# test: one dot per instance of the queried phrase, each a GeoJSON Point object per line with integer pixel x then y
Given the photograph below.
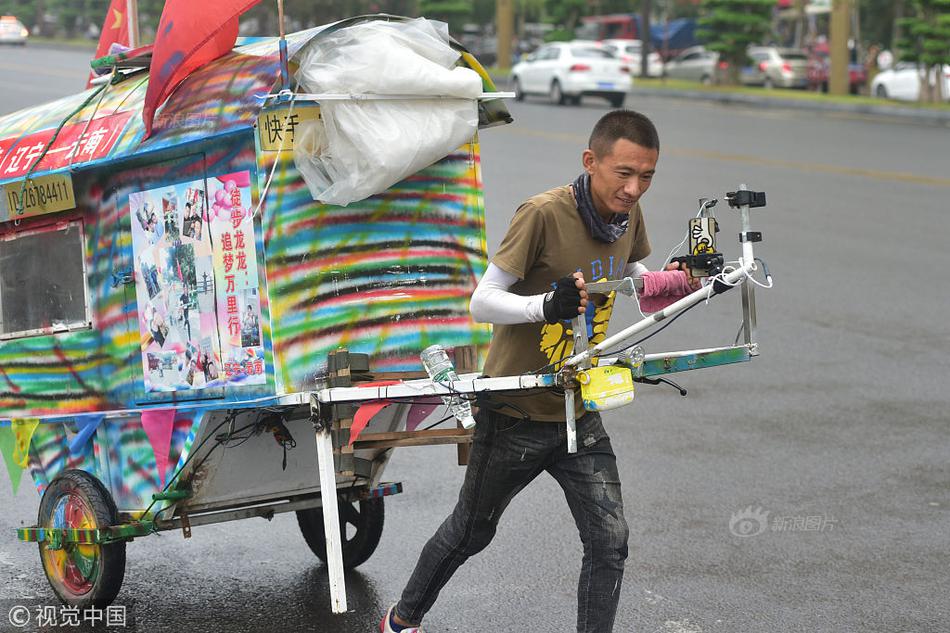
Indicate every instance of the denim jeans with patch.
{"type": "Point", "coordinates": [507, 454]}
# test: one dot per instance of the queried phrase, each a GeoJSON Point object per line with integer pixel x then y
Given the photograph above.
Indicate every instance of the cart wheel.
{"type": "Point", "coordinates": [81, 575]}
{"type": "Point", "coordinates": [361, 525]}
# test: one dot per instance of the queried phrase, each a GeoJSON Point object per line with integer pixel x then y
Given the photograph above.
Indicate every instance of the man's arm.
{"type": "Point", "coordinates": [492, 303]}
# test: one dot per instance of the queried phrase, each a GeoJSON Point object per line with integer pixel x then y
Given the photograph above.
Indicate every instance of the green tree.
{"type": "Point", "coordinates": [454, 12]}
{"type": "Point", "coordinates": [729, 27]}
{"type": "Point", "coordinates": [926, 41]}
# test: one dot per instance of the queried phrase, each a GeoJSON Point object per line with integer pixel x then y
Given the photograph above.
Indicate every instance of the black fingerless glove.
{"type": "Point", "coordinates": [563, 302]}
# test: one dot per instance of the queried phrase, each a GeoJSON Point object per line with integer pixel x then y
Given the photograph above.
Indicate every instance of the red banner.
{"type": "Point", "coordinates": [75, 144]}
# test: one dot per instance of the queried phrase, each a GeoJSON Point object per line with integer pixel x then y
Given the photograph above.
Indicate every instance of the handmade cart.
{"type": "Point", "coordinates": [189, 338]}
{"type": "Point", "coordinates": [169, 306]}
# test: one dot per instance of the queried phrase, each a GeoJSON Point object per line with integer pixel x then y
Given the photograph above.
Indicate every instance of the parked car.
{"type": "Point", "coordinates": [12, 31]}
{"type": "Point", "coordinates": [631, 53]}
{"type": "Point", "coordinates": [819, 69]}
{"type": "Point", "coordinates": [902, 82]}
{"type": "Point", "coordinates": [568, 71]}
{"type": "Point", "coordinates": [774, 67]}
{"type": "Point", "coordinates": [694, 64]}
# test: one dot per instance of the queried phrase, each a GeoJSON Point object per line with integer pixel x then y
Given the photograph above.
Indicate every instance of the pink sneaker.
{"type": "Point", "coordinates": [384, 626]}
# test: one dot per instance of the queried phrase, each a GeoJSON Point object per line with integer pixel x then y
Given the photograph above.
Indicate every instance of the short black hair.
{"type": "Point", "coordinates": [623, 124]}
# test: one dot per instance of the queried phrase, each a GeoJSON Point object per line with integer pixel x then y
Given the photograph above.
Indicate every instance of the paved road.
{"type": "Point", "coordinates": [838, 430]}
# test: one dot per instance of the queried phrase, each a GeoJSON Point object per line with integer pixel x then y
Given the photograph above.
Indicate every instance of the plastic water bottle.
{"type": "Point", "coordinates": [440, 369]}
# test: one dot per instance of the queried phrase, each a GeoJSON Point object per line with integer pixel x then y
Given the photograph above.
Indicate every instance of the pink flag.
{"type": "Point", "coordinates": [158, 424]}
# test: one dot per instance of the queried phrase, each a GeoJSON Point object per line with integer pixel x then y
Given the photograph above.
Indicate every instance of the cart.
{"type": "Point", "coordinates": [170, 306]}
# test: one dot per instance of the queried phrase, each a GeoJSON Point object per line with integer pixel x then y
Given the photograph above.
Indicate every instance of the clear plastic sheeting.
{"type": "Point", "coordinates": [362, 147]}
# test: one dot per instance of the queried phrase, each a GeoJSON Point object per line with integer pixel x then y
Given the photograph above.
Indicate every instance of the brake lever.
{"type": "Point", "coordinates": [657, 381]}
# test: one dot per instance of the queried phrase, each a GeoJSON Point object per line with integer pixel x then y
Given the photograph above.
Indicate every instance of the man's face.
{"type": "Point", "coordinates": [620, 176]}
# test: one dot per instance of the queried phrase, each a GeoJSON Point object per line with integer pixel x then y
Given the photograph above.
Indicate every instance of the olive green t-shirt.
{"type": "Point", "coordinates": [547, 240]}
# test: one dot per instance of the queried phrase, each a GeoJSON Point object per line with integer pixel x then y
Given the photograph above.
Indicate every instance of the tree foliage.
{"type": "Point", "coordinates": [729, 27]}
{"type": "Point", "coordinates": [926, 41]}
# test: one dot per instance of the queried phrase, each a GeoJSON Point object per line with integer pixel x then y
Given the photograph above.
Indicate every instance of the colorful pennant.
{"type": "Point", "coordinates": [7, 446]}
{"type": "Point", "coordinates": [158, 424]}
{"type": "Point", "coordinates": [23, 429]}
{"type": "Point", "coordinates": [87, 428]}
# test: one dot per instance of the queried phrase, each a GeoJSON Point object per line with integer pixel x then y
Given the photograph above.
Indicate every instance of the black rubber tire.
{"type": "Point", "coordinates": [519, 93]}
{"type": "Point", "coordinates": [110, 566]}
{"type": "Point", "coordinates": [880, 92]}
{"type": "Point", "coordinates": [616, 101]}
{"type": "Point", "coordinates": [365, 518]}
{"type": "Point", "coordinates": [557, 95]}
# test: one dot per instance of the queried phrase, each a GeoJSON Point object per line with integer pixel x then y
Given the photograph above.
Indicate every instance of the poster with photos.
{"type": "Point", "coordinates": [174, 283]}
{"type": "Point", "coordinates": [235, 265]}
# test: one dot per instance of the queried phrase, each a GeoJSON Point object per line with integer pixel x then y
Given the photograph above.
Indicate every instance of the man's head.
{"type": "Point", "coordinates": [621, 160]}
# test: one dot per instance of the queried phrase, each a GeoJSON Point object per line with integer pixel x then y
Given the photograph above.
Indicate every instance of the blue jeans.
{"type": "Point", "coordinates": [507, 454]}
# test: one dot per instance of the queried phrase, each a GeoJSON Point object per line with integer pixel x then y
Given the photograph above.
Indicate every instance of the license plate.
{"type": "Point", "coordinates": [605, 84]}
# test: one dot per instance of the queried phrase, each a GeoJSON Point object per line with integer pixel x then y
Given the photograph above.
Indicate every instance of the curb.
{"type": "Point", "coordinates": [897, 113]}
{"type": "Point", "coordinates": [61, 46]}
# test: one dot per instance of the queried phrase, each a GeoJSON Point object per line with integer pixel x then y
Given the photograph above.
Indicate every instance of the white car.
{"type": "Point", "coordinates": [12, 31]}
{"type": "Point", "coordinates": [902, 82]}
{"type": "Point", "coordinates": [568, 71]}
{"type": "Point", "coordinates": [631, 53]}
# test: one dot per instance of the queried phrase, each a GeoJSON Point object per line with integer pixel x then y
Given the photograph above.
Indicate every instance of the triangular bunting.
{"type": "Point", "coordinates": [7, 445]}
{"type": "Point", "coordinates": [158, 424]}
{"type": "Point", "coordinates": [419, 411]}
{"type": "Point", "coordinates": [23, 433]}
{"type": "Point", "coordinates": [87, 428]}
{"type": "Point", "coordinates": [366, 412]}
{"type": "Point", "coordinates": [363, 415]}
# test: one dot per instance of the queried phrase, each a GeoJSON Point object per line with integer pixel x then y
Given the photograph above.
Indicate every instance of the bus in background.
{"type": "Point", "coordinates": [666, 38]}
{"type": "Point", "coordinates": [617, 26]}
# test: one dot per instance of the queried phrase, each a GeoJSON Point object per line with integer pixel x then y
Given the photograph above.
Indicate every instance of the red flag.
{"type": "Point", "coordinates": [115, 30]}
{"type": "Point", "coordinates": [190, 34]}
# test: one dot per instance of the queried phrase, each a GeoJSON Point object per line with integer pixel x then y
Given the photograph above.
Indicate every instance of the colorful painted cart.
{"type": "Point", "coordinates": [170, 305]}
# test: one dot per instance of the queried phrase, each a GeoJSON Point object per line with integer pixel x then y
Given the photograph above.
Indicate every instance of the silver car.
{"type": "Point", "coordinates": [694, 64]}
{"type": "Point", "coordinates": [774, 67]}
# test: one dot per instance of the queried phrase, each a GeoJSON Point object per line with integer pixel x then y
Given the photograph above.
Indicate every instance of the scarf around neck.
{"type": "Point", "coordinates": [606, 232]}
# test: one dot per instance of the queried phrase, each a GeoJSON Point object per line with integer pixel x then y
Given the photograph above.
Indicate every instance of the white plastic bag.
{"type": "Point", "coordinates": [367, 146]}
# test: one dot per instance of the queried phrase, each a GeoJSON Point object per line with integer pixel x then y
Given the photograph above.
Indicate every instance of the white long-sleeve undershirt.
{"type": "Point", "coordinates": [493, 303]}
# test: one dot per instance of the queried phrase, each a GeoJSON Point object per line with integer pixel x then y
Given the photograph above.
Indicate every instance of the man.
{"type": "Point", "coordinates": [592, 229]}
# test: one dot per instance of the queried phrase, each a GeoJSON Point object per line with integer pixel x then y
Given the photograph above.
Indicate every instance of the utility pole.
{"type": "Point", "coordinates": [504, 30]}
{"type": "Point", "coordinates": [840, 32]}
{"type": "Point", "coordinates": [646, 38]}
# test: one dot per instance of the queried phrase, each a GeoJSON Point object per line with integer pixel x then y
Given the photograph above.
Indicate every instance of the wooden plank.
{"type": "Point", "coordinates": [413, 438]}
{"type": "Point", "coordinates": [413, 441]}
{"type": "Point", "coordinates": [431, 433]}
{"type": "Point", "coordinates": [466, 361]}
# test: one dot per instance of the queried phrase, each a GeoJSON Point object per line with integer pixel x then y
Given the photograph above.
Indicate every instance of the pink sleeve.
{"type": "Point", "coordinates": [662, 288]}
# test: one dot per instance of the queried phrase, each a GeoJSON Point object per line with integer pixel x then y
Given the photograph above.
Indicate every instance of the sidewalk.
{"type": "Point", "coordinates": [774, 99]}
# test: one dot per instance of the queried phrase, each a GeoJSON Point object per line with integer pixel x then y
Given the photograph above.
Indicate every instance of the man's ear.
{"type": "Point", "coordinates": [588, 159]}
